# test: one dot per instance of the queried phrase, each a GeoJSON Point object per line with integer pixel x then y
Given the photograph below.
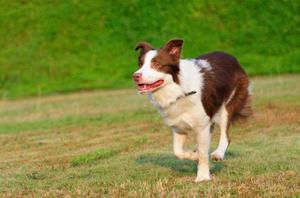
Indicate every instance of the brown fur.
{"type": "Point", "coordinates": [164, 63]}
{"type": "Point", "coordinates": [145, 47]}
{"type": "Point", "coordinates": [225, 76]}
{"type": "Point", "coordinates": [167, 59]}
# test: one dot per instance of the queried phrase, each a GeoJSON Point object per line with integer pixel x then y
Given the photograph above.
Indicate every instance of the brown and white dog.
{"type": "Point", "coordinates": [192, 95]}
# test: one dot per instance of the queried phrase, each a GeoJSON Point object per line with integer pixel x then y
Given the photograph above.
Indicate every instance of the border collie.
{"type": "Point", "coordinates": [192, 95]}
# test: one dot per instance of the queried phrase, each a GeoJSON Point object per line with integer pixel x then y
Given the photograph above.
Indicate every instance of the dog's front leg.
{"type": "Point", "coordinates": [203, 139]}
{"type": "Point", "coordinates": [178, 146]}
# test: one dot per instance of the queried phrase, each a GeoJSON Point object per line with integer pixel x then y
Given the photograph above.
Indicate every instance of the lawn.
{"type": "Point", "coordinates": [113, 143]}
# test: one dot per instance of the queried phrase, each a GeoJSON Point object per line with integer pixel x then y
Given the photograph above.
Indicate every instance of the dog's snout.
{"type": "Point", "coordinates": [137, 77]}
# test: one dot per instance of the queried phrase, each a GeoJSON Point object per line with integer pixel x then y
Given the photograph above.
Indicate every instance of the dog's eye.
{"type": "Point", "coordinates": [156, 65]}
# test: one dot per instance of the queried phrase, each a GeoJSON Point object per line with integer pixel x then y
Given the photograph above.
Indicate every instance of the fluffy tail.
{"type": "Point", "coordinates": [240, 105]}
{"type": "Point", "coordinates": [246, 109]}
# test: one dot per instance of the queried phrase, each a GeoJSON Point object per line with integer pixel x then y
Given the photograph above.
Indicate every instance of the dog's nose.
{"type": "Point", "coordinates": [137, 77]}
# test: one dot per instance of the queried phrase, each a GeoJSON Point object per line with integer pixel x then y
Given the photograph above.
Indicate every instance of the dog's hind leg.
{"type": "Point", "coordinates": [178, 147]}
{"type": "Point", "coordinates": [238, 105]}
{"type": "Point", "coordinates": [224, 141]}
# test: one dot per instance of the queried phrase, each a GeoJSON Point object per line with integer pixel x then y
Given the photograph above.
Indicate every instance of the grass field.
{"type": "Point", "coordinates": [113, 143]}
{"type": "Point", "coordinates": [61, 46]}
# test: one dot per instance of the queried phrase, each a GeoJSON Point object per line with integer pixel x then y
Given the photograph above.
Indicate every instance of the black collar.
{"type": "Point", "coordinates": [190, 93]}
{"type": "Point", "coordinates": [180, 97]}
{"type": "Point", "coordinates": [185, 95]}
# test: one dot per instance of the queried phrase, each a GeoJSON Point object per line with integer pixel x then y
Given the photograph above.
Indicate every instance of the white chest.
{"type": "Point", "coordinates": [180, 111]}
{"type": "Point", "coordinates": [184, 114]}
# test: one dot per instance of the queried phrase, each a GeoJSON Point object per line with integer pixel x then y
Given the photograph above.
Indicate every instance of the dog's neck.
{"type": "Point", "coordinates": [168, 95]}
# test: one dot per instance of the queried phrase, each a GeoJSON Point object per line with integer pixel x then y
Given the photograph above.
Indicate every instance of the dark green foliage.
{"type": "Point", "coordinates": [59, 46]}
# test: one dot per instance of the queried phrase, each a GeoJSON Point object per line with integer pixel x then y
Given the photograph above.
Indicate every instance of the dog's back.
{"type": "Point", "coordinates": [225, 82]}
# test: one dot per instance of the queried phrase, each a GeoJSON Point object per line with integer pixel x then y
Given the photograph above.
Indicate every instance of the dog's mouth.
{"type": "Point", "coordinates": [149, 87]}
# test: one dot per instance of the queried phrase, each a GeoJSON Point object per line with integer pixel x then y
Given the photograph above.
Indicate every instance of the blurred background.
{"type": "Point", "coordinates": [49, 47]}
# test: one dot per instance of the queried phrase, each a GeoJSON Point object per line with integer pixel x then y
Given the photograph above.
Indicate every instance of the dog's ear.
{"type": "Point", "coordinates": [173, 48]}
{"type": "Point", "coordinates": [145, 47]}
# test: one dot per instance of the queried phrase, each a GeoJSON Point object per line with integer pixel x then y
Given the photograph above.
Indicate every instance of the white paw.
{"type": "Point", "coordinates": [192, 155]}
{"type": "Point", "coordinates": [202, 178]}
{"type": "Point", "coordinates": [217, 156]}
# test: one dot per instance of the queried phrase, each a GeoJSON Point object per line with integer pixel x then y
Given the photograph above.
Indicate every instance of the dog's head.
{"type": "Point", "coordinates": [157, 67]}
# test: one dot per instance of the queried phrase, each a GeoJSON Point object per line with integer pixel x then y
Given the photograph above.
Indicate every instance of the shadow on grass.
{"type": "Point", "coordinates": [170, 161]}
{"type": "Point", "coordinates": [231, 155]}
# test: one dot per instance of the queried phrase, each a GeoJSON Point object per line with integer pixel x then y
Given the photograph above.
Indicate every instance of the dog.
{"type": "Point", "coordinates": [193, 95]}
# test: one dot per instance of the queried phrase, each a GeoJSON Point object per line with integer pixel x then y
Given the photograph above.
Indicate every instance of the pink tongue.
{"type": "Point", "coordinates": [153, 85]}
{"type": "Point", "coordinates": [157, 83]}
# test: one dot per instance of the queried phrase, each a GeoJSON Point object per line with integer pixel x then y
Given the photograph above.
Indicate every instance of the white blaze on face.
{"type": "Point", "coordinates": [149, 75]}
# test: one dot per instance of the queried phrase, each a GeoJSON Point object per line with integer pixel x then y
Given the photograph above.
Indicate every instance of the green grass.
{"type": "Point", "coordinates": [93, 156]}
{"type": "Point", "coordinates": [61, 46]}
{"type": "Point", "coordinates": [103, 153]}
{"type": "Point", "coordinates": [114, 144]}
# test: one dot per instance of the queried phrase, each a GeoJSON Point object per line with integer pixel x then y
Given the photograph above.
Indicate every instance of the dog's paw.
{"type": "Point", "coordinates": [216, 156]}
{"type": "Point", "coordinates": [192, 155]}
{"type": "Point", "coordinates": [202, 179]}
